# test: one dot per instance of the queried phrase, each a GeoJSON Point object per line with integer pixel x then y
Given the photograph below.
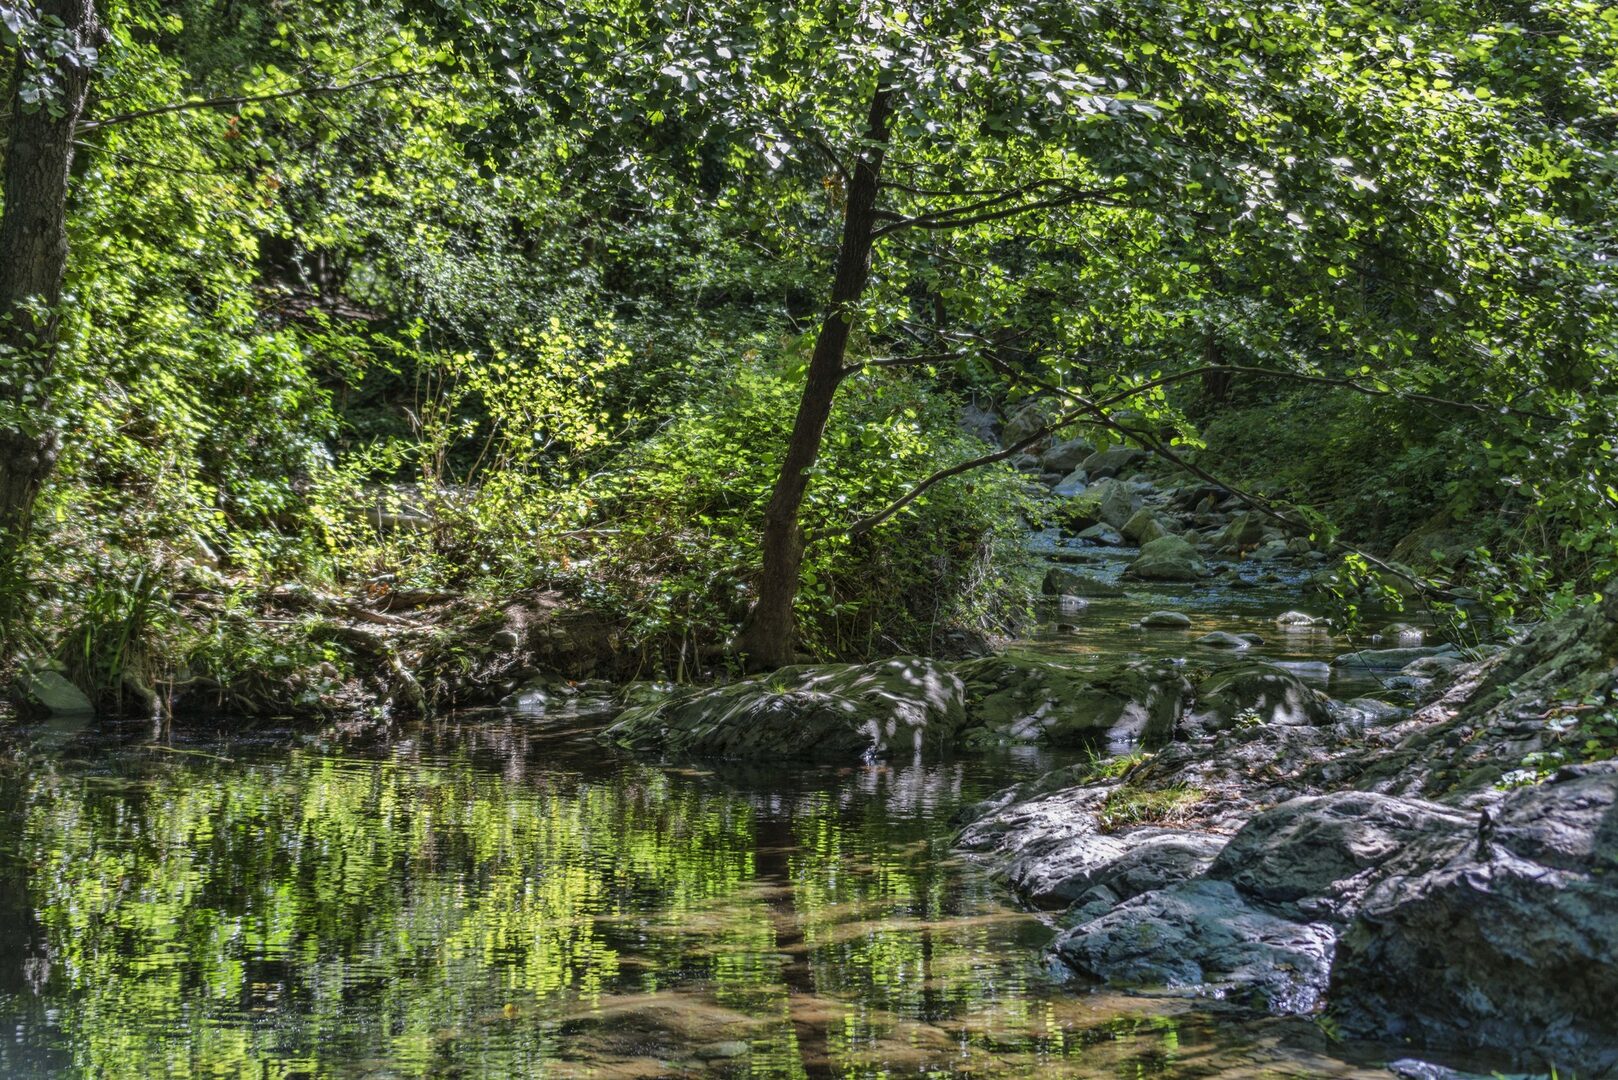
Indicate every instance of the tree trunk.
{"type": "Point", "coordinates": [33, 258]}
{"type": "Point", "coordinates": [768, 638]}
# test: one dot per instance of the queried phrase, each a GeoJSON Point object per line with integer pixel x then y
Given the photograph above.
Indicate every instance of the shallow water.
{"type": "Point", "coordinates": [498, 896]}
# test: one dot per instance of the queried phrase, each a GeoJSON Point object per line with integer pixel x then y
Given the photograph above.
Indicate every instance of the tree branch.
{"type": "Point", "coordinates": [232, 102]}
{"type": "Point", "coordinates": [954, 219]}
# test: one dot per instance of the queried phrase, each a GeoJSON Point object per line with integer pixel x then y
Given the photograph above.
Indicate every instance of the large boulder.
{"type": "Point", "coordinates": [1025, 422]}
{"type": "Point", "coordinates": [899, 706]}
{"type": "Point", "coordinates": [1067, 455]}
{"type": "Point", "coordinates": [1062, 581]}
{"type": "Point", "coordinates": [47, 690]}
{"type": "Point", "coordinates": [1246, 530]}
{"type": "Point", "coordinates": [1115, 502]}
{"type": "Point", "coordinates": [1255, 693]}
{"type": "Point", "coordinates": [1022, 699]}
{"type": "Point", "coordinates": [1073, 484]}
{"type": "Point", "coordinates": [1143, 527]}
{"type": "Point", "coordinates": [1051, 847]}
{"type": "Point", "coordinates": [1502, 939]}
{"type": "Point", "coordinates": [1204, 937]}
{"type": "Point", "coordinates": [1102, 534]}
{"type": "Point", "coordinates": [1114, 460]}
{"type": "Point", "coordinates": [1313, 858]}
{"type": "Point", "coordinates": [1168, 558]}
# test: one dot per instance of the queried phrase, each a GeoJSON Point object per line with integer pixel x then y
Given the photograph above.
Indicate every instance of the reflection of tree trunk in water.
{"type": "Point", "coordinates": [773, 844]}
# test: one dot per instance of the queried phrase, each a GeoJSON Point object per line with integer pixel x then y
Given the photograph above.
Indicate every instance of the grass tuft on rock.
{"type": "Point", "coordinates": [1127, 806]}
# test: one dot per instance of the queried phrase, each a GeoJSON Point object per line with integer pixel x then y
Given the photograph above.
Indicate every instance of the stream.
{"type": "Point", "coordinates": [498, 895]}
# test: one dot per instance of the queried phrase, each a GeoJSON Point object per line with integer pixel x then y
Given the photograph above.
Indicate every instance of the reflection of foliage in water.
{"type": "Point", "coordinates": [349, 898]}
{"type": "Point", "coordinates": [325, 916]}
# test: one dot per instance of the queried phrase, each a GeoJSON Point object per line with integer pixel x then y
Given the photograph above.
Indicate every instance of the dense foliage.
{"type": "Point", "coordinates": [502, 297]}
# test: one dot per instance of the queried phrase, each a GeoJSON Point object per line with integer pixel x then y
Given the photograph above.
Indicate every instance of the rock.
{"type": "Point", "coordinates": [1168, 558]}
{"type": "Point", "coordinates": [1366, 712]}
{"type": "Point", "coordinates": [1014, 699]}
{"type": "Point", "coordinates": [1431, 667]}
{"type": "Point", "coordinates": [50, 690]}
{"type": "Point", "coordinates": [1114, 460]}
{"type": "Point", "coordinates": [1270, 549]}
{"type": "Point", "coordinates": [1150, 859]}
{"type": "Point", "coordinates": [1500, 940]}
{"type": "Point", "coordinates": [1297, 620]}
{"type": "Point", "coordinates": [1166, 620]}
{"type": "Point", "coordinates": [1061, 581]}
{"type": "Point", "coordinates": [899, 706]}
{"type": "Point", "coordinates": [1389, 659]}
{"type": "Point", "coordinates": [1071, 605]}
{"type": "Point", "coordinates": [1246, 530]}
{"type": "Point", "coordinates": [1314, 858]}
{"type": "Point", "coordinates": [1403, 633]}
{"type": "Point", "coordinates": [1115, 503]}
{"type": "Point", "coordinates": [1067, 455]}
{"type": "Point", "coordinates": [980, 422]}
{"type": "Point", "coordinates": [1143, 527]}
{"type": "Point", "coordinates": [1024, 423]}
{"type": "Point", "coordinates": [733, 1048]}
{"type": "Point", "coordinates": [1259, 693]}
{"type": "Point", "coordinates": [1221, 639]}
{"type": "Point", "coordinates": [1103, 534]}
{"type": "Point", "coordinates": [1049, 846]}
{"type": "Point", "coordinates": [1074, 483]}
{"type": "Point", "coordinates": [1201, 936]}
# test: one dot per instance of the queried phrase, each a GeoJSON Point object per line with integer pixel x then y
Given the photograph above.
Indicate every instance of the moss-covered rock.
{"type": "Point", "coordinates": [901, 706]}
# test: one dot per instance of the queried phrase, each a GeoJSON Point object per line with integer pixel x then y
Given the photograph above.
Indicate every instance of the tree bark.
{"type": "Point", "coordinates": [769, 637]}
{"type": "Point", "coordinates": [33, 259]}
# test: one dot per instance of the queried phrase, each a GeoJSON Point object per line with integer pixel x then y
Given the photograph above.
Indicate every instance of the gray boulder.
{"type": "Point", "coordinates": [1067, 455]}
{"type": "Point", "coordinates": [1014, 699]}
{"type": "Point", "coordinates": [1168, 558]}
{"type": "Point", "coordinates": [1103, 534]}
{"type": "Point", "coordinates": [1246, 530]}
{"type": "Point", "coordinates": [1203, 937]}
{"type": "Point", "coordinates": [1062, 581]}
{"type": "Point", "coordinates": [1024, 423]}
{"type": "Point", "coordinates": [899, 706]}
{"type": "Point", "coordinates": [49, 690]}
{"type": "Point", "coordinates": [1314, 858]}
{"type": "Point", "coordinates": [1114, 461]}
{"type": "Point", "coordinates": [1074, 483]}
{"type": "Point", "coordinates": [1502, 939]}
{"type": "Point", "coordinates": [1115, 503]}
{"type": "Point", "coordinates": [1166, 620]}
{"type": "Point", "coordinates": [1390, 659]}
{"type": "Point", "coordinates": [1143, 527]}
{"type": "Point", "coordinates": [1263, 693]}
{"type": "Point", "coordinates": [1223, 639]}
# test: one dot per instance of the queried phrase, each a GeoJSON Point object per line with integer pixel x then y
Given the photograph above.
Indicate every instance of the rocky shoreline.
{"type": "Point", "coordinates": [1406, 876]}
{"type": "Point", "coordinates": [1443, 877]}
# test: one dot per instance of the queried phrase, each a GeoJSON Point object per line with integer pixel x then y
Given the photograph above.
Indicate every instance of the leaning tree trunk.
{"type": "Point", "coordinates": [767, 640]}
{"type": "Point", "coordinates": [33, 257]}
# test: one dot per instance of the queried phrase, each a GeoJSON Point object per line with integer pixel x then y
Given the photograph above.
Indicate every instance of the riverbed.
{"type": "Point", "coordinates": [496, 894]}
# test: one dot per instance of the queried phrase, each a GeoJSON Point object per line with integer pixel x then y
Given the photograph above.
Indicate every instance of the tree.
{"type": "Point", "coordinates": [56, 48]}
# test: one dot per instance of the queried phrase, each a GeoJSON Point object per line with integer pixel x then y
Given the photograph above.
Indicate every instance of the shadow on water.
{"type": "Point", "coordinates": [499, 896]}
